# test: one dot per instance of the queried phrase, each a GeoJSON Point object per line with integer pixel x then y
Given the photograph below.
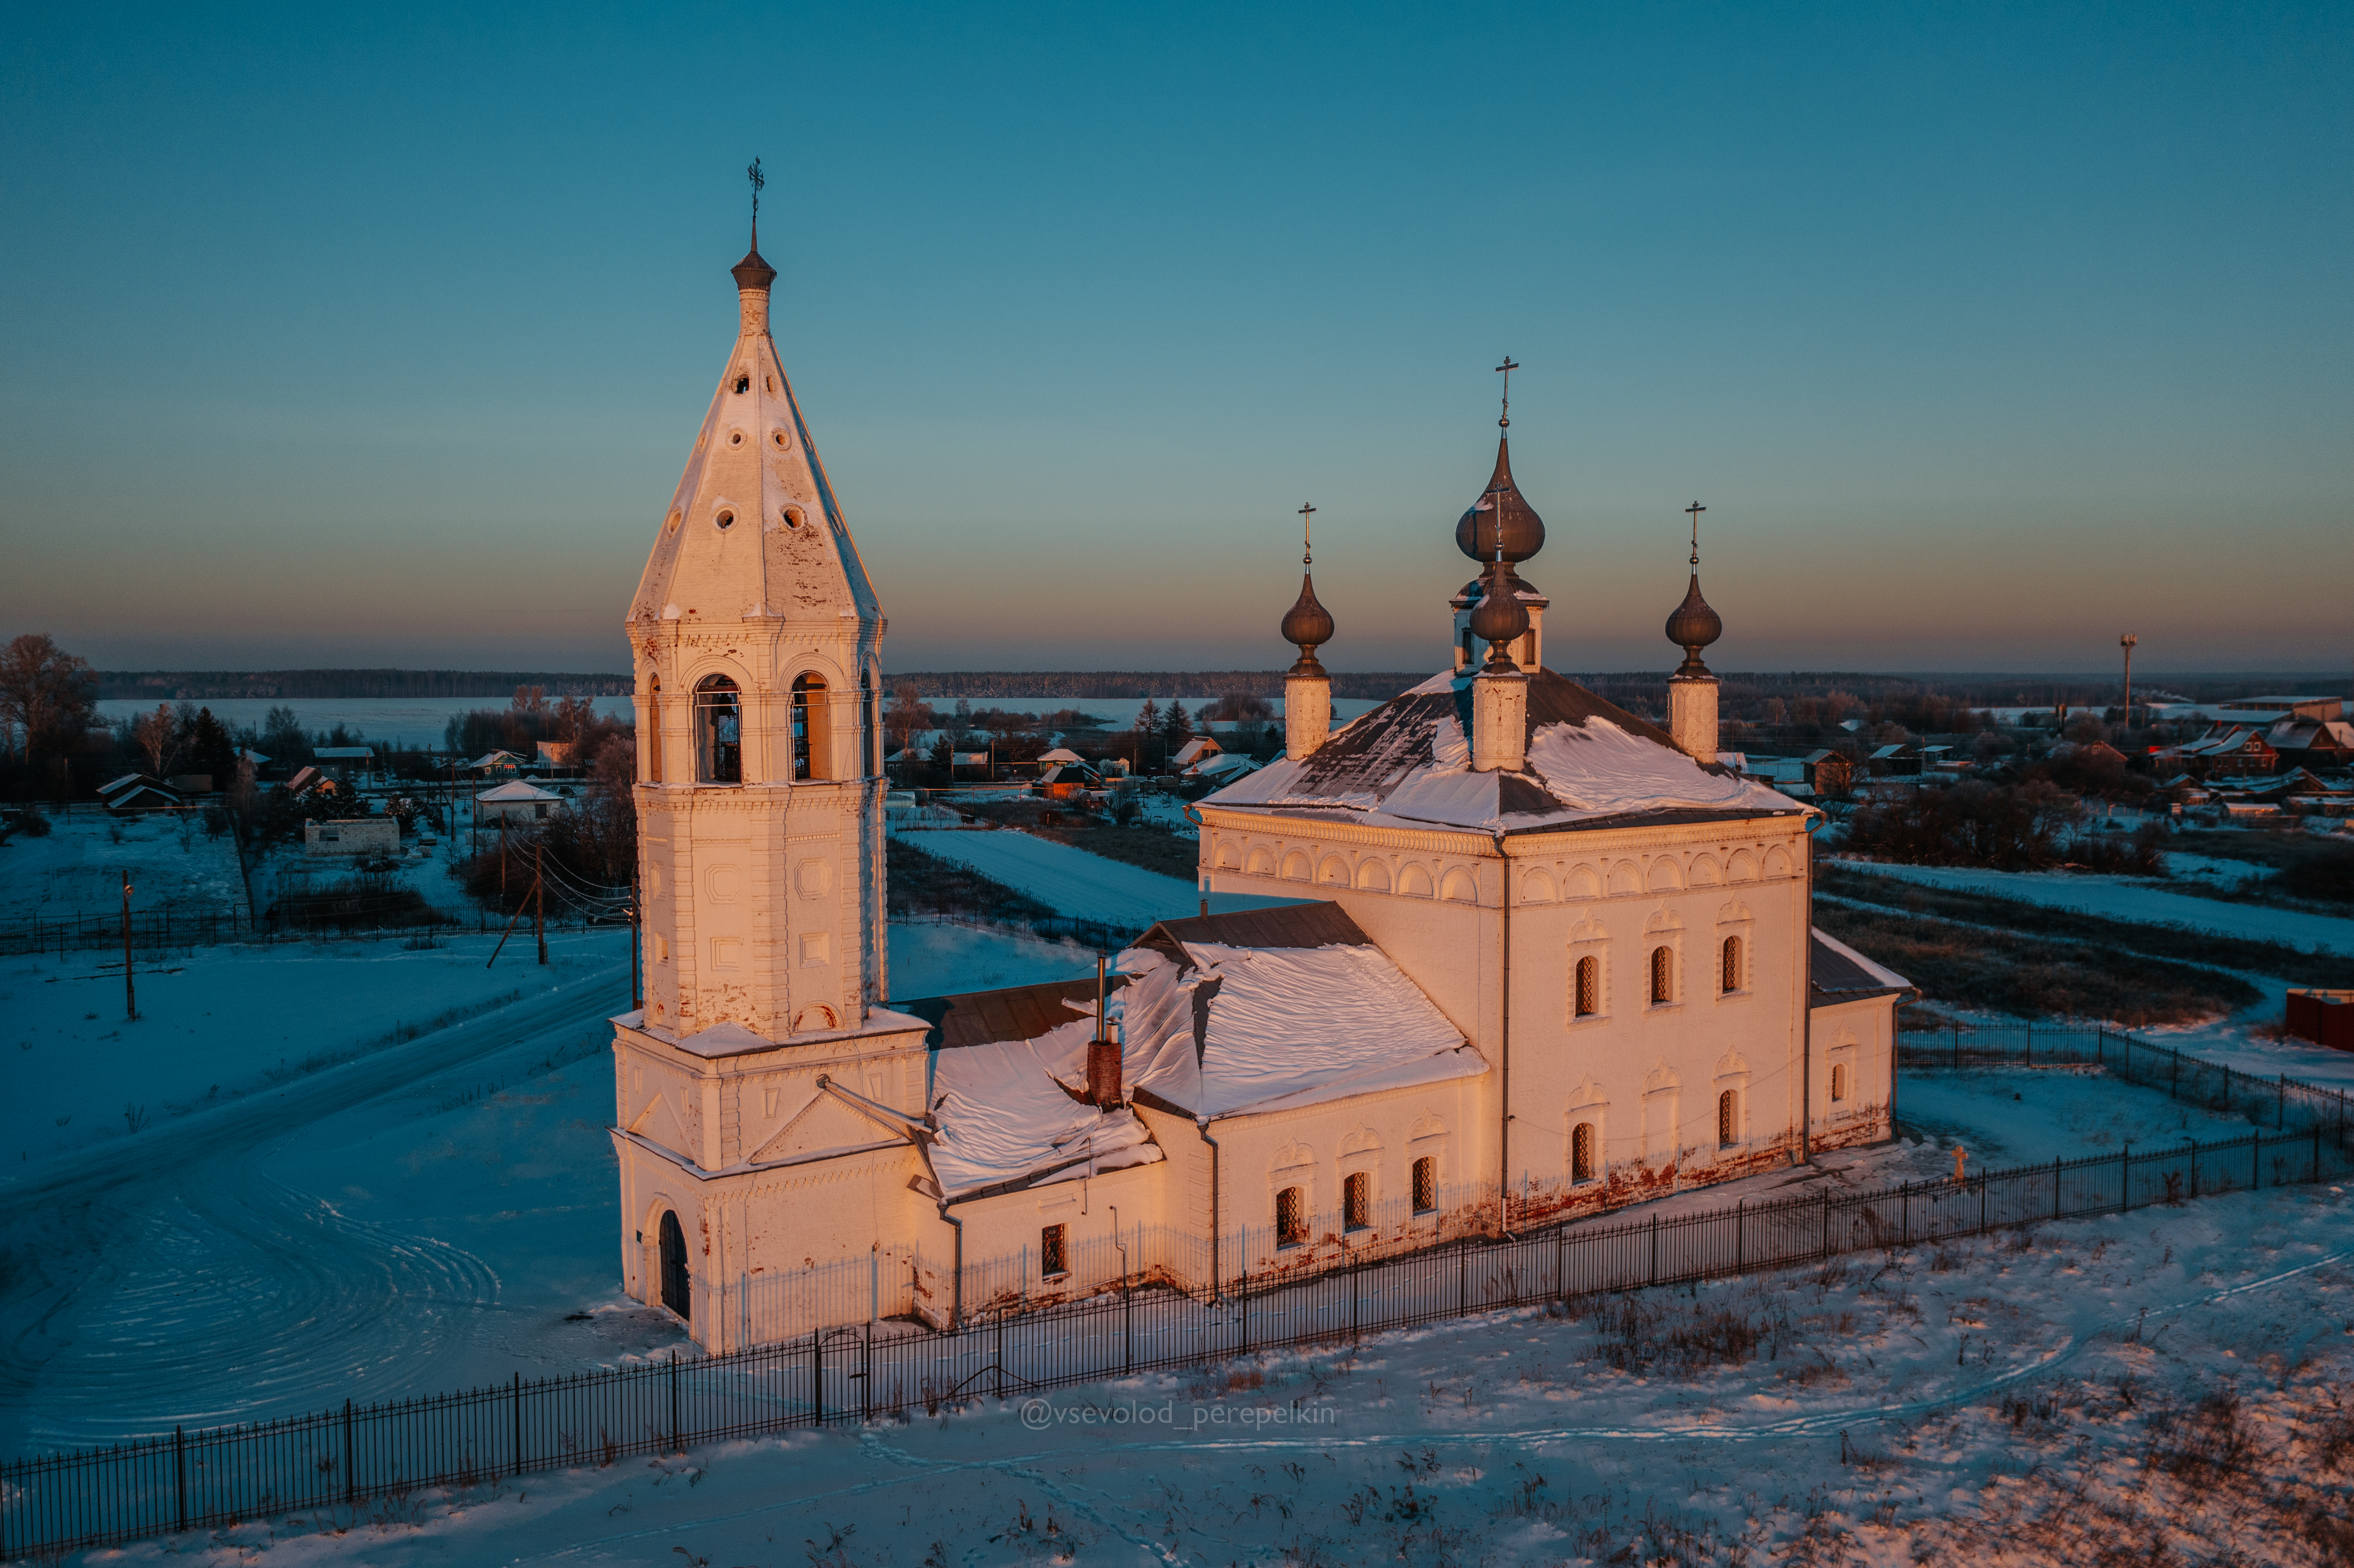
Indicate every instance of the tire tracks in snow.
{"type": "Point", "coordinates": [136, 1276]}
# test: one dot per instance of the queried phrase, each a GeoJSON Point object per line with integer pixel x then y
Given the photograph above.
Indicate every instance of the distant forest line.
{"type": "Point", "coordinates": [1984, 689]}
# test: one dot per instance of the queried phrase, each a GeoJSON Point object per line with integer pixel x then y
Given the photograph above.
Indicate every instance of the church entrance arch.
{"type": "Point", "coordinates": [676, 1292]}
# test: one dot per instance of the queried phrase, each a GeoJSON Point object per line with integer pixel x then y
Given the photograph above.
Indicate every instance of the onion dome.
{"type": "Point", "coordinates": [1501, 618]}
{"type": "Point", "coordinates": [1307, 623]}
{"type": "Point", "coordinates": [1694, 627]}
{"type": "Point", "coordinates": [1500, 507]}
{"type": "Point", "coordinates": [753, 273]}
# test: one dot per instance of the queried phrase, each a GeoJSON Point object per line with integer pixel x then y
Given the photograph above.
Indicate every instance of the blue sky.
{"type": "Point", "coordinates": [1985, 331]}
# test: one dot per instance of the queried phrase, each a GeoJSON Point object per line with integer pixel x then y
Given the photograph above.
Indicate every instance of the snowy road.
{"type": "Point", "coordinates": [2120, 898]}
{"type": "Point", "coordinates": [172, 1277]}
{"type": "Point", "coordinates": [1075, 883]}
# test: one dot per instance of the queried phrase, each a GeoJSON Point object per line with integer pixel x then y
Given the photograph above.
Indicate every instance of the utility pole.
{"type": "Point", "coordinates": [2128, 642]}
{"type": "Point", "coordinates": [130, 993]}
{"type": "Point", "coordinates": [538, 902]}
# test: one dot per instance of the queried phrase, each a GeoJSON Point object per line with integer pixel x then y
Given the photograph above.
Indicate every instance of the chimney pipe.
{"type": "Point", "coordinates": [1103, 1053]}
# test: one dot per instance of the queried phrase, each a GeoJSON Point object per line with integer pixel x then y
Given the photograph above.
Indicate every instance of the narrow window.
{"type": "Point", "coordinates": [1291, 1217]}
{"type": "Point", "coordinates": [809, 728]}
{"type": "Point", "coordinates": [1425, 1186]}
{"type": "Point", "coordinates": [1733, 963]}
{"type": "Point", "coordinates": [1662, 976]}
{"type": "Point", "coordinates": [1357, 1200]}
{"type": "Point", "coordinates": [743, 383]}
{"type": "Point", "coordinates": [1838, 1081]}
{"type": "Point", "coordinates": [1728, 1119]}
{"type": "Point", "coordinates": [869, 746]}
{"type": "Point", "coordinates": [652, 730]}
{"type": "Point", "coordinates": [1589, 987]}
{"type": "Point", "coordinates": [718, 731]}
{"type": "Point", "coordinates": [1052, 1260]}
{"type": "Point", "coordinates": [1581, 1152]}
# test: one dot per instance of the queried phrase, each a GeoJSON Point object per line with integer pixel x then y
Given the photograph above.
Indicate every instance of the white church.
{"type": "Point", "coordinates": [1501, 954]}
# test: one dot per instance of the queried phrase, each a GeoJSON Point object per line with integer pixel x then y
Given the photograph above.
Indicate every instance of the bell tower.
{"type": "Point", "coordinates": [754, 636]}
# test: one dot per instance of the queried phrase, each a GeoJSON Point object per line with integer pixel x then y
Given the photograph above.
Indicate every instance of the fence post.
{"type": "Point", "coordinates": [350, 1481]}
{"type": "Point", "coordinates": [997, 1353]}
{"type": "Point", "coordinates": [1905, 1212]}
{"type": "Point", "coordinates": [518, 1425]}
{"type": "Point", "coordinates": [2055, 1188]}
{"type": "Point", "coordinates": [2256, 1161]}
{"type": "Point", "coordinates": [1462, 1278]}
{"type": "Point", "coordinates": [2125, 1178]}
{"type": "Point", "coordinates": [2194, 1163]}
{"type": "Point", "coordinates": [1740, 1213]}
{"type": "Point", "coordinates": [2101, 1046]}
{"type": "Point", "coordinates": [180, 1471]}
{"type": "Point", "coordinates": [1827, 1225]}
{"type": "Point", "coordinates": [676, 1444]}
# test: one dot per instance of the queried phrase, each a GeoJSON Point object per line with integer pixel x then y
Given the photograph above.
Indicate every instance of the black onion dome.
{"type": "Point", "coordinates": [1308, 624]}
{"type": "Point", "coordinates": [753, 273]}
{"type": "Point", "coordinates": [1694, 627]}
{"type": "Point", "coordinates": [1501, 618]}
{"type": "Point", "coordinates": [1500, 505]}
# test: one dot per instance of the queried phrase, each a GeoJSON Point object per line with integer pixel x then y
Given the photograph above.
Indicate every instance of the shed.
{"type": "Point", "coordinates": [355, 836]}
{"type": "Point", "coordinates": [515, 802]}
{"type": "Point", "coordinates": [138, 792]}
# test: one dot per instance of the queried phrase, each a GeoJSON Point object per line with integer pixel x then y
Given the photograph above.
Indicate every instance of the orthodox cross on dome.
{"type": "Point", "coordinates": [1695, 509]}
{"type": "Point", "coordinates": [752, 172]}
{"type": "Point", "coordinates": [1506, 370]}
{"type": "Point", "coordinates": [1307, 518]}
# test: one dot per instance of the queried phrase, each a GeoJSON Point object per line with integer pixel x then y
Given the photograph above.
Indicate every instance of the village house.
{"type": "Point", "coordinates": [1517, 954]}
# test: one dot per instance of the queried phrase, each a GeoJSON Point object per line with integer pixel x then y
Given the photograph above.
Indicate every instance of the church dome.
{"type": "Point", "coordinates": [1502, 618]}
{"type": "Point", "coordinates": [1307, 623]}
{"type": "Point", "coordinates": [1693, 626]}
{"type": "Point", "coordinates": [1501, 505]}
{"type": "Point", "coordinates": [752, 272]}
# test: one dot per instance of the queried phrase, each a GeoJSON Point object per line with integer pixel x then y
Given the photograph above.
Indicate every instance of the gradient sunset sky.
{"type": "Point", "coordinates": [1986, 332]}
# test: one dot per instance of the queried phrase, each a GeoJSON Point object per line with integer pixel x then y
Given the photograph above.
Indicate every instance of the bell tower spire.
{"type": "Point", "coordinates": [757, 640]}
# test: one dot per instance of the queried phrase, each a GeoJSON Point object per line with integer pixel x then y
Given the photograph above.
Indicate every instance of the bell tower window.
{"type": "Point", "coordinates": [718, 732]}
{"type": "Point", "coordinates": [811, 759]}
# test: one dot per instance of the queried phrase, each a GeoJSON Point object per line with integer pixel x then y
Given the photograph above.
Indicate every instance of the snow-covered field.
{"type": "Point", "coordinates": [79, 868]}
{"type": "Point", "coordinates": [929, 960]}
{"type": "Point", "coordinates": [417, 721]}
{"type": "Point", "coordinates": [2131, 899]}
{"type": "Point", "coordinates": [2169, 1385]}
{"type": "Point", "coordinates": [1087, 886]}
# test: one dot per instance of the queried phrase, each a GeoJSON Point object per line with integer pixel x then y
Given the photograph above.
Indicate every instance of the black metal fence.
{"type": "Point", "coordinates": [220, 1477]}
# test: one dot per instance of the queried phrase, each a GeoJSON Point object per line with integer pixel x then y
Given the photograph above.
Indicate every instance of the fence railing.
{"type": "Point", "coordinates": [222, 1476]}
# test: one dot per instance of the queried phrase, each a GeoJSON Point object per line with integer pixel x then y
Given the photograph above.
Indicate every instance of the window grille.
{"type": "Point", "coordinates": [809, 719]}
{"type": "Point", "coordinates": [1291, 1217]}
{"type": "Point", "coordinates": [1357, 1200]}
{"type": "Point", "coordinates": [1425, 1186]}
{"type": "Point", "coordinates": [1733, 963]}
{"type": "Point", "coordinates": [1052, 1252]}
{"type": "Point", "coordinates": [1589, 987]}
{"type": "Point", "coordinates": [1662, 976]}
{"type": "Point", "coordinates": [1728, 1119]}
{"type": "Point", "coordinates": [1581, 1152]}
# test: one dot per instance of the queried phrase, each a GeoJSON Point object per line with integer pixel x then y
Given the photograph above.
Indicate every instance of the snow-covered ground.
{"type": "Point", "coordinates": [929, 960]}
{"type": "Point", "coordinates": [2131, 899]}
{"type": "Point", "coordinates": [78, 869]}
{"type": "Point", "coordinates": [1075, 883]}
{"type": "Point", "coordinates": [2167, 1381]}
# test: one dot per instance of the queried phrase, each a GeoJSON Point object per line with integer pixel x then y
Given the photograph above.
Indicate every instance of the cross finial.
{"type": "Point", "coordinates": [1695, 509]}
{"type": "Point", "coordinates": [1307, 518]}
{"type": "Point", "coordinates": [752, 172]}
{"type": "Point", "coordinates": [1506, 370]}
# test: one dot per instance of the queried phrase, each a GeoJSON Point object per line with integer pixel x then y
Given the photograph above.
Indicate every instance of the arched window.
{"type": "Point", "coordinates": [1838, 1081]}
{"type": "Point", "coordinates": [1731, 964]}
{"type": "Point", "coordinates": [718, 731]}
{"type": "Point", "coordinates": [1425, 1186]}
{"type": "Point", "coordinates": [652, 730]}
{"type": "Point", "coordinates": [810, 727]}
{"type": "Point", "coordinates": [1291, 1217]}
{"type": "Point", "coordinates": [1053, 1251]}
{"type": "Point", "coordinates": [1728, 1118]}
{"type": "Point", "coordinates": [1589, 987]}
{"type": "Point", "coordinates": [676, 1290]}
{"type": "Point", "coordinates": [1663, 976]}
{"type": "Point", "coordinates": [1357, 1200]}
{"type": "Point", "coordinates": [1581, 1152]}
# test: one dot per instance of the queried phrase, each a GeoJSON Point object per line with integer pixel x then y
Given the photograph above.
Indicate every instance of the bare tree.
{"type": "Point", "coordinates": [158, 736]}
{"type": "Point", "coordinates": [44, 692]}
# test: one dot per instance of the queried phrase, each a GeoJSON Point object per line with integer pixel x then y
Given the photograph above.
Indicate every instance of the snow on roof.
{"type": "Point", "coordinates": [1222, 765]}
{"type": "Point", "coordinates": [1836, 972]}
{"type": "Point", "coordinates": [1407, 763]}
{"type": "Point", "coordinates": [1193, 750]}
{"type": "Point", "coordinates": [493, 759]}
{"type": "Point", "coordinates": [518, 790]}
{"type": "Point", "coordinates": [1060, 754]}
{"type": "Point", "coordinates": [1004, 1116]}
